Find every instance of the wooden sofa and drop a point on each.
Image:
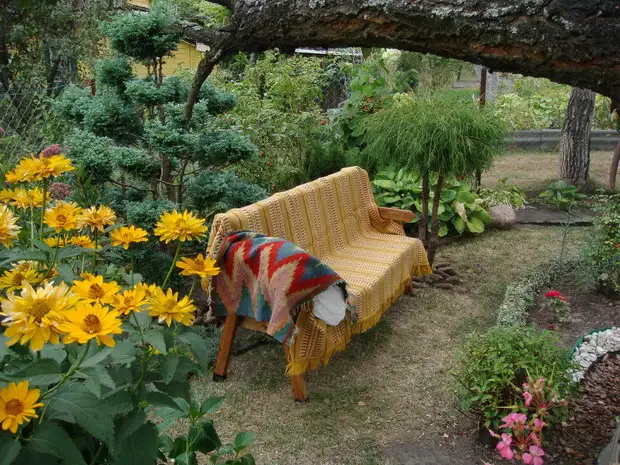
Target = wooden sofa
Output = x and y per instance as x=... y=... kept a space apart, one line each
x=336 y=219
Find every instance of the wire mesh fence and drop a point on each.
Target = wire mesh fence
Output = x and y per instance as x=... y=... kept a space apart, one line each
x=27 y=121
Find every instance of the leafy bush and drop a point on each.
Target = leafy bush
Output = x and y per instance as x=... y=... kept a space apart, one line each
x=491 y=364
x=113 y=72
x=601 y=255
x=459 y=209
x=561 y=195
x=502 y=194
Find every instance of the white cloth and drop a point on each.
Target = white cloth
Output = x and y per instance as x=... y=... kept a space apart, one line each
x=330 y=305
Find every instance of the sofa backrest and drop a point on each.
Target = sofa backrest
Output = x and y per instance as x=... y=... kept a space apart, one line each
x=315 y=216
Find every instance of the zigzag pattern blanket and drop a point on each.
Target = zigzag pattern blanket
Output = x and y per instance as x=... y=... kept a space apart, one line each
x=268 y=279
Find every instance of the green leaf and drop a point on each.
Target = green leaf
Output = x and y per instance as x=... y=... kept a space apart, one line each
x=475 y=225
x=55 y=352
x=211 y=405
x=124 y=352
x=186 y=458
x=96 y=377
x=204 y=438
x=155 y=337
x=65 y=272
x=243 y=440
x=175 y=389
x=169 y=367
x=10 y=448
x=143 y=318
x=165 y=443
x=39 y=373
x=85 y=409
x=139 y=448
x=160 y=399
x=198 y=346
x=170 y=416
x=443 y=229
x=50 y=438
x=465 y=197
x=119 y=403
x=448 y=195
x=129 y=425
x=385 y=183
x=4 y=349
x=97 y=358
x=247 y=460
x=71 y=251
x=459 y=224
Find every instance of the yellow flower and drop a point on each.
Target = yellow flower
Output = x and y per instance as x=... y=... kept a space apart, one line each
x=124 y=236
x=38 y=168
x=96 y=218
x=148 y=289
x=182 y=226
x=17 y=404
x=34 y=315
x=8 y=227
x=131 y=300
x=25 y=199
x=91 y=321
x=63 y=215
x=93 y=289
x=56 y=241
x=167 y=307
x=83 y=241
x=199 y=266
x=14 y=279
x=6 y=195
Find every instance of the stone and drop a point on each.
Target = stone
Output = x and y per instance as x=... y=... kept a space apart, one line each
x=442 y=265
x=502 y=216
x=442 y=274
x=454 y=280
x=420 y=285
x=444 y=286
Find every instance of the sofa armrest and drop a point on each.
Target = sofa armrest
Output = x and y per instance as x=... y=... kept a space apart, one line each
x=396 y=214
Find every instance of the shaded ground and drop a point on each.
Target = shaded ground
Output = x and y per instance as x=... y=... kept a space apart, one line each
x=534 y=171
x=543 y=216
x=390 y=393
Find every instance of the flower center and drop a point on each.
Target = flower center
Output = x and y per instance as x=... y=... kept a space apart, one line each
x=61 y=219
x=128 y=301
x=169 y=304
x=39 y=309
x=14 y=407
x=18 y=279
x=95 y=291
x=92 y=324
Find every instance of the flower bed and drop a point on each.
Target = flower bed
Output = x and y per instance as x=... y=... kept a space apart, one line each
x=592 y=347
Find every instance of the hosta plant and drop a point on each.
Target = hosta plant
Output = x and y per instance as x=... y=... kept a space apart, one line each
x=561 y=195
x=459 y=209
x=92 y=358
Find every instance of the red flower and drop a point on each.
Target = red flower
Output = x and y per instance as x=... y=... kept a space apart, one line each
x=553 y=294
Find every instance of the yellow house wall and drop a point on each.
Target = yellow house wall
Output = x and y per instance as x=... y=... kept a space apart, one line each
x=185 y=56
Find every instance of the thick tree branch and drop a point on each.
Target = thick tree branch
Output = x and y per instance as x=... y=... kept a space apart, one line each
x=209 y=60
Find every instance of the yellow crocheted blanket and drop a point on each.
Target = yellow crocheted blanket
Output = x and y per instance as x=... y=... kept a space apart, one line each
x=336 y=219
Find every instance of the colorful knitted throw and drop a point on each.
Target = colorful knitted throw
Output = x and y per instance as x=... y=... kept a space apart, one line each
x=268 y=278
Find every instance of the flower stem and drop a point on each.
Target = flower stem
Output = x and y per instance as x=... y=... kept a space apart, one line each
x=50 y=267
x=131 y=272
x=174 y=261
x=72 y=370
x=191 y=289
x=43 y=206
x=96 y=235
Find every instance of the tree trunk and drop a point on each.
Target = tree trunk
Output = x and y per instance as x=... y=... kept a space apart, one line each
x=574 y=156
x=435 y=223
x=423 y=222
x=614 y=168
x=571 y=41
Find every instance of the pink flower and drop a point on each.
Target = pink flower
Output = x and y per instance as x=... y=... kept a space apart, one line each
x=533 y=456
x=504 y=447
x=514 y=421
x=528 y=398
x=494 y=434
x=539 y=424
x=563 y=403
x=54 y=149
x=553 y=294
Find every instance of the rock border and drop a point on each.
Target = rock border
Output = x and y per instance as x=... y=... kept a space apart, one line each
x=592 y=347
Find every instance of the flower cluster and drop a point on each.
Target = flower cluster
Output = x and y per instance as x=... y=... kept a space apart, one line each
x=559 y=306
x=522 y=436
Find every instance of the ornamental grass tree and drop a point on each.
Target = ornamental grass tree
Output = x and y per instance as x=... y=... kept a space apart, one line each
x=438 y=137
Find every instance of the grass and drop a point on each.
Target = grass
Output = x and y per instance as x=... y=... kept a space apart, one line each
x=392 y=384
x=534 y=171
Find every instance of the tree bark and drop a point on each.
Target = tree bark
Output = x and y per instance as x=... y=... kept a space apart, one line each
x=435 y=224
x=571 y=41
x=574 y=155
x=423 y=222
x=614 y=168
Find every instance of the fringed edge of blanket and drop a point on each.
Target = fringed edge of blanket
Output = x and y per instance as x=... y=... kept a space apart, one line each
x=298 y=367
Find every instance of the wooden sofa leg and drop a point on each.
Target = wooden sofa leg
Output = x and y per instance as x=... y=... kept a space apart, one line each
x=226 y=343
x=409 y=288
x=299 y=388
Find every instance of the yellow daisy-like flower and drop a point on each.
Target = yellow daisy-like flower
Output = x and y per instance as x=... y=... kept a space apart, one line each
x=200 y=266
x=56 y=241
x=38 y=168
x=34 y=315
x=148 y=289
x=17 y=404
x=182 y=226
x=132 y=300
x=24 y=199
x=14 y=279
x=83 y=241
x=94 y=289
x=91 y=321
x=124 y=236
x=96 y=218
x=167 y=307
x=8 y=227
x=6 y=195
x=62 y=216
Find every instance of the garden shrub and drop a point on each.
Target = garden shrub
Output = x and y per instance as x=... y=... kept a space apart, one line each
x=493 y=365
x=502 y=194
x=601 y=255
